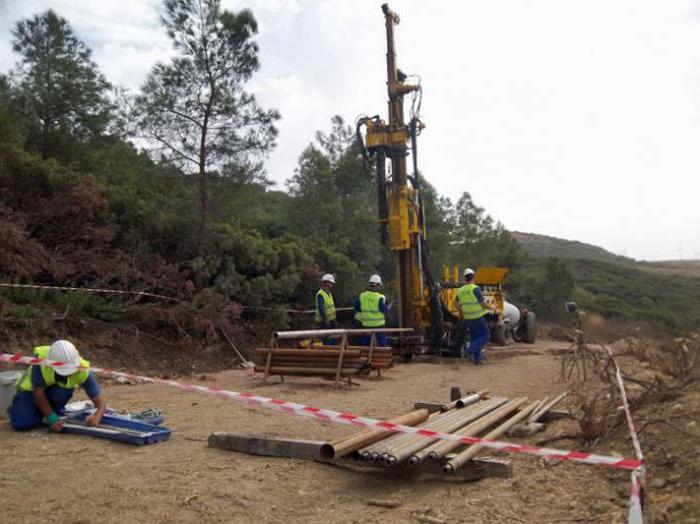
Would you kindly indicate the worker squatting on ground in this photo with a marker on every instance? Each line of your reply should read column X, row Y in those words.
column 371, row 309
column 325, row 306
column 470, row 301
column 44, row 391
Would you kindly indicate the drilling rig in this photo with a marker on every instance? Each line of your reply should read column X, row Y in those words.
column 421, row 302
column 387, row 144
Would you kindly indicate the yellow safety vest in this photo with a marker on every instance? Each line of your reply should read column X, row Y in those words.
column 470, row 306
column 49, row 374
column 369, row 314
column 328, row 303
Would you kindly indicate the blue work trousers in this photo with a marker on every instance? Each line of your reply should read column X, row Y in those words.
column 380, row 338
column 479, row 335
column 24, row 412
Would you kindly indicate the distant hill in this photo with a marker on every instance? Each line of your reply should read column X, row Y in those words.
column 622, row 287
column 540, row 246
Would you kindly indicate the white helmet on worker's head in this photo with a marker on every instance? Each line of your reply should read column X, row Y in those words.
column 469, row 272
column 328, row 278
column 375, row 279
column 64, row 351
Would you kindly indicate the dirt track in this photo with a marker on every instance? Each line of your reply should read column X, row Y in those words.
column 80, row 479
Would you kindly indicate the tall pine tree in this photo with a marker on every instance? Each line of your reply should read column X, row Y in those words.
column 65, row 95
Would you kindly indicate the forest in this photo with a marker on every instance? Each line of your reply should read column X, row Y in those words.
column 165, row 190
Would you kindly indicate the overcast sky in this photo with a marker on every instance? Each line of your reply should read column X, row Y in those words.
column 576, row 119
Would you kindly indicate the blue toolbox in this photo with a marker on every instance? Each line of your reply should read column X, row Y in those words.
column 117, row 428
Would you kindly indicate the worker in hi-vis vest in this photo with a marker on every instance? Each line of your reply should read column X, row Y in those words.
column 325, row 306
column 370, row 311
column 471, row 303
column 44, row 391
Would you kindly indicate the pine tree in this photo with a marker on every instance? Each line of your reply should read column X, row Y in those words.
column 65, row 95
column 195, row 108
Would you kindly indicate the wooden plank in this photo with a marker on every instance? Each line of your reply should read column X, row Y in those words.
column 343, row 347
column 266, row 446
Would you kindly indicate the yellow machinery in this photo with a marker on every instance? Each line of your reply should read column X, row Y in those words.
column 421, row 303
column 400, row 208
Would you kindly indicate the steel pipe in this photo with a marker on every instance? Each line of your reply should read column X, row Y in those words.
column 347, row 445
column 336, row 332
column 418, row 442
column 485, row 409
column 469, row 453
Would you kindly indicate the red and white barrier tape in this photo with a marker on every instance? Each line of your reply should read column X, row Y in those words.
column 638, row 476
column 88, row 289
column 348, row 418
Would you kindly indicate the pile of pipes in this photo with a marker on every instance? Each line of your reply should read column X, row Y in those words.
column 377, row 357
column 475, row 415
column 310, row 362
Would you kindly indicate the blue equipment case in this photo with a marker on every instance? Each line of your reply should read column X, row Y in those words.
column 119, row 429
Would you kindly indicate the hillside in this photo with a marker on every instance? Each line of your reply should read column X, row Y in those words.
column 664, row 292
column 545, row 246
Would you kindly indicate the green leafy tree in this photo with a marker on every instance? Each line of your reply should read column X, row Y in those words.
column 195, row 108
column 65, row 95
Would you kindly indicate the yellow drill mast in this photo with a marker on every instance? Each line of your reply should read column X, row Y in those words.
column 400, row 212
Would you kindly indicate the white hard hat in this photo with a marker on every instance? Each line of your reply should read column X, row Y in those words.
column 375, row 279
column 328, row 278
column 469, row 271
column 64, row 351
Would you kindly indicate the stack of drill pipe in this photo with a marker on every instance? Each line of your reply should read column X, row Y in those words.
column 350, row 444
column 372, row 453
column 442, row 448
column 381, row 356
column 471, row 452
column 386, row 450
column 461, row 417
column 310, row 361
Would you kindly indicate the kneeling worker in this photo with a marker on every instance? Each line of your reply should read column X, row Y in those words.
column 371, row 309
column 470, row 301
column 44, row 391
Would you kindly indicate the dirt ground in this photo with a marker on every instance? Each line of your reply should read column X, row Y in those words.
column 81, row 479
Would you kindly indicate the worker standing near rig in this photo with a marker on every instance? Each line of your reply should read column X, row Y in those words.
column 325, row 306
column 44, row 391
column 470, row 301
column 371, row 309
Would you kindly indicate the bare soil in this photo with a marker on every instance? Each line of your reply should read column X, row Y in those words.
column 80, row 479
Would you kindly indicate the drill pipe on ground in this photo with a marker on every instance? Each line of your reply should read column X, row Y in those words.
column 400, row 453
column 352, row 443
column 440, row 449
column 469, row 453
column 543, row 408
column 478, row 416
column 374, row 453
column 464, row 401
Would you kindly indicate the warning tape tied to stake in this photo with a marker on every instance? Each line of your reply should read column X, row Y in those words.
column 638, row 475
column 348, row 418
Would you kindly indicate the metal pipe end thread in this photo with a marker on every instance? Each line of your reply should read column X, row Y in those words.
column 433, row 456
column 374, row 457
column 365, row 455
column 413, row 460
column 389, row 461
column 448, row 469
